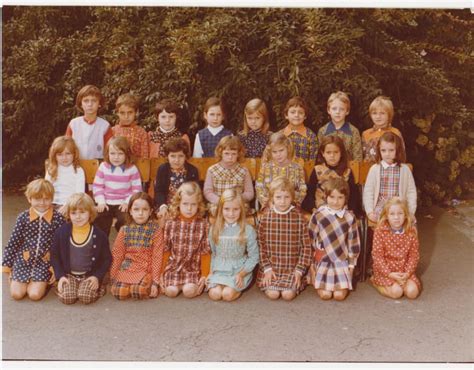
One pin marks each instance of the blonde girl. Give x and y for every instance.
(395, 252)
(186, 246)
(279, 160)
(63, 170)
(234, 249)
(255, 134)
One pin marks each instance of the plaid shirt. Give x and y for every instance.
(389, 186)
(306, 146)
(219, 178)
(137, 138)
(349, 134)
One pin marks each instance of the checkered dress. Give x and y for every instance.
(254, 143)
(79, 289)
(389, 186)
(306, 147)
(339, 239)
(227, 178)
(284, 247)
(159, 138)
(137, 138)
(186, 240)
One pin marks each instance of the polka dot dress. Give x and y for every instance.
(254, 143)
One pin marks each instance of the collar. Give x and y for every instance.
(215, 130)
(91, 122)
(339, 213)
(187, 219)
(255, 132)
(398, 231)
(47, 216)
(386, 128)
(132, 125)
(300, 129)
(230, 225)
(166, 132)
(346, 128)
(112, 167)
(385, 165)
(283, 212)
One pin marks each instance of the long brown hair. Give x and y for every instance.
(390, 137)
(336, 140)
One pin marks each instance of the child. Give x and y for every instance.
(335, 238)
(137, 252)
(285, 248)
(63, 171)
(381, 113)
(26, 256)
(126, 108)
(395, 252)
(389, 177)
(115, 182)
(331, 162)
(187, 252)
(234, 249)
(91, 133)
(208, 138)
(171, 175)
(278, 160)
(304, 139)
(338, 108)
(166, 112)
(228, 173)
(255, 134)
(80, 254)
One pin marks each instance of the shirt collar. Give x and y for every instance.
(385, 165)
(48, 216)
(284, 212)
(215, 130)
(339, 213)
(89, 122)
(112, 167)
(346, 128)
(166, 132)
(230, 225)
(300, 129)
(399, 231)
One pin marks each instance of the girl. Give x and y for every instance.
(137, 252)
(26, 256)
(388, 178)
(63, 170)
(331, 162)
(228, 173)
(187, 251)
(80, 254)
(395, 252)
(335, 238)
(285, 248)
(208, 138)
(115, 182)
(279, 160)
(255, 134)
(234, 249)
(381, 113)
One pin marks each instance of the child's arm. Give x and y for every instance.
(378, 254)
(248, 193)
(80, 185)
(305, 257)
(98, 188)
(109, 134)
(411, 190)
(135, 187)
(356, 144)
(355, 201)
(252, 250)
(198, 152)
(263, 256)
(300, 191)
(353, 243)
(15, 242)
(118, 254)
(208, 191)
(105, 258)
(55, 259)
(161, 188)
(369, 195)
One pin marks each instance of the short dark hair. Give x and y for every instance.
(169, 105)
(390, 137)
(177, 144)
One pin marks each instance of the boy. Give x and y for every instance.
(126, 108)
(26, 256)
(304, 139)
(338, 108)
(90, 132)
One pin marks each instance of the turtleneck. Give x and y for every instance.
(80, 233)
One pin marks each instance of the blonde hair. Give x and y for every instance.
(283, 184)
(58, 146)
(396, 201)
(121, 143)
(189, 188)
(80, 201)
(385, 103)
(342, 96)
(39, 188)
(230, 143)
(278, 139)
(129, 100)
(229, 195)
(256, 106)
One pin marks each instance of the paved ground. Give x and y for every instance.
(437, 327)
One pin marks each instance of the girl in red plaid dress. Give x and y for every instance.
(285, 247)
(187, 251)
(137, 252)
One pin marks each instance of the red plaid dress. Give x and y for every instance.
(284, 247)
(389, 186)
(186, 240)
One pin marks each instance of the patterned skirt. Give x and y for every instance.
(285, 280)
(333, 276)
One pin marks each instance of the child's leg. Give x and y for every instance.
(86, 294)
(272, 294)
(141, 290)
(121, 291)
(288, 295)
(36, 290)
(69, 293)
(394, 291)
(324, 294)
(191, 290)
(18, 289)
(229, 294)
(216, 293)
(104, 220)
(341, 294)
(172, 291)
(411, 289)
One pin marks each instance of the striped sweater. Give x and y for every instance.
(115, 185)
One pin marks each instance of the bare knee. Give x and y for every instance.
(411, 290)
(272, 294)
(340, 295)
(172, 291)
(190, 290)
(288, 295)
(215, 293)
(229, 294)
(324, 294)
(36, 290)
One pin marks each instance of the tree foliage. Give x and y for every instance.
(422, 59)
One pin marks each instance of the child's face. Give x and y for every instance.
(214, 116)
(254, 121)
(280, 154)
(338, 111)
(388, 151)
(332, 155)
(140, 211)
(230, 157)
(231, 211)
(167, 121)
(336, 200)
(41, 204)
(127, 115)
(295, 115)
(116, 156)
(79, 217)
(90, 105)
(395, 216)
(189, 205)
(379, 117)
(176, 160)
(282, 200)
(65, 158)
